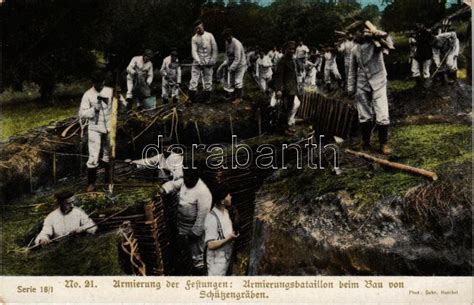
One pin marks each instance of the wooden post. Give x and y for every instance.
(402, 167)
(133, 140)
(197, 131)
(54, 167)
(30, 174)
(259, 118)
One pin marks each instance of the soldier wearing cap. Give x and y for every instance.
(204, 52)
(286, 87)
(171, 78)
(140, 76)
(66, 219)
(236, 63)
(368, 81)
(96, 107)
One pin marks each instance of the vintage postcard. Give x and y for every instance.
(227, 151)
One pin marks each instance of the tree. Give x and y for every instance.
(47, 42)
(403, 14)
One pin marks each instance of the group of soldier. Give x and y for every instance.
(280, 73)
(433, 46)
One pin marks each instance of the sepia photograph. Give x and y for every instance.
(244, 139)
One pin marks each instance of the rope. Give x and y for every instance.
(156, 117)
(174, 125)
(133, 253)
(26, 249)
(54, 152)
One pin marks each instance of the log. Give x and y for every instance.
(399, 166)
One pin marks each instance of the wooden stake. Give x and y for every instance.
(54, 168)
(259, 117)
(197, 131)
(399, 166)
(133, 140)
(30, 173)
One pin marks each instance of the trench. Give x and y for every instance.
(264, 247)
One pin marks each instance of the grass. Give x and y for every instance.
(86, 255)
(431, 147)
(21, 111)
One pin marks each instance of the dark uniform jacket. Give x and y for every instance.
(285, 77)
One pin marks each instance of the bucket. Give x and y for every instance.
(149, 102)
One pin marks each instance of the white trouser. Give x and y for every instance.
(196, 71)
(310, 79)
(347, 65)
(264, 82)
(169, 90)
(331, 71)
(369, 101)
(96, 142)
(294, 109)
(237, 78)
(129, 86)
(415, 68)
(292, 114)
(218, 260)
(451, 61)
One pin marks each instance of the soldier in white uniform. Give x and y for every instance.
(173, 163)
(330, 67)
(171, 78)
(446, 47)
(312, 67)
(66, 219)
(204, 52)
(264, 70)
(422, 52)
(139, 76)
(219, 236)
(368, 80)
(236, 63)
(301, 55)
(346, 48)
(96, 106)
(195, 201)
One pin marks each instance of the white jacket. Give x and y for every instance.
(137, 65)
(235, 55)
(98, 120)
(204, 49)
(57, 224)
(194, 205)
(330, 60)
(171, 70)
(264, 67)
(346, 48)
(301, 52)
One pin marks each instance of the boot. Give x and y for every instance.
(107, 172)
(452, 76)
(91, 178)
(164, 100)
(237, 96)
(383, 140)
(366, 132)
(191, 97)
(418, 81)
(206, 97)
(426, 83)
(129, 104)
